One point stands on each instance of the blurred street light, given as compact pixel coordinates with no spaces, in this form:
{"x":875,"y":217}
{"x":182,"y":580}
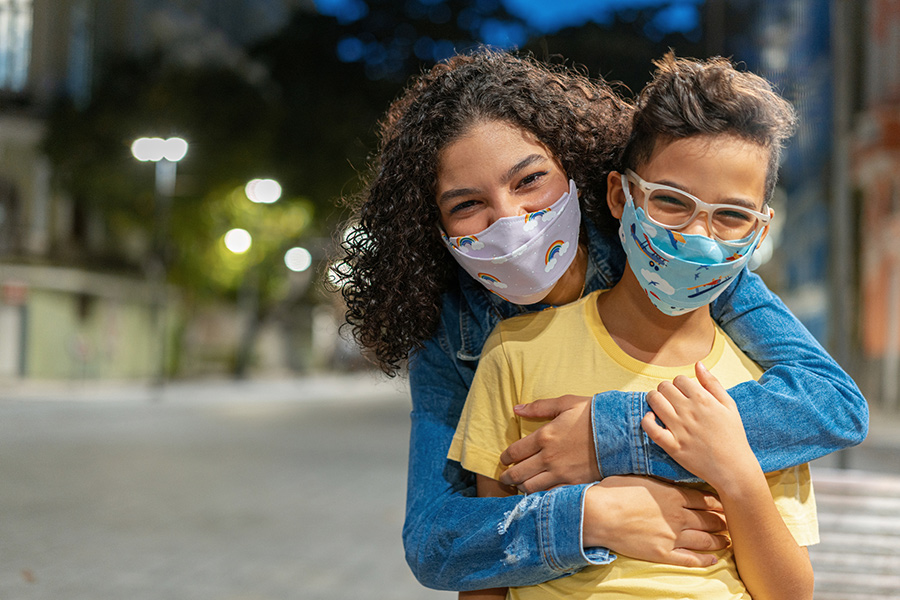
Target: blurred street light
{"x":238,"y":240}
{"x":165,"y":154}
{"x":263,"y":191}
{"x":298,"y":259}
{"x":156,"y":149}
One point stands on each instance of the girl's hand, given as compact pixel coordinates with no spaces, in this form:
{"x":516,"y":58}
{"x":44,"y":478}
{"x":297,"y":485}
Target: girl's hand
{"x":560,"y":452}
{"x":703,"y":430}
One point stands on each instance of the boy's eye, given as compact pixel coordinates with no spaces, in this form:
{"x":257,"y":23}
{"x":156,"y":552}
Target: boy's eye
{"x":671,"y":202}
{"x":732,"y":216}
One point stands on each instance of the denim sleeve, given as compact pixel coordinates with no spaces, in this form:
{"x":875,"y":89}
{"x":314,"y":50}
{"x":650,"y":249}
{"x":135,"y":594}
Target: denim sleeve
{"x":803,"y":407}
{"x":457,"y":541}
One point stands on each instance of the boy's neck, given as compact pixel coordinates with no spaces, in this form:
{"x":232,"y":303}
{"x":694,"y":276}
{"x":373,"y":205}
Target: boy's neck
{"x":643,"y":332}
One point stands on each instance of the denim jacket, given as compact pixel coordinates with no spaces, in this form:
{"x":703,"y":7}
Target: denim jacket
{"x":803,"y":407}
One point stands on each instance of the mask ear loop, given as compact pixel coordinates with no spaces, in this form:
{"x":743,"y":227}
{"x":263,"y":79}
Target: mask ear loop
{"x":626,"y":189}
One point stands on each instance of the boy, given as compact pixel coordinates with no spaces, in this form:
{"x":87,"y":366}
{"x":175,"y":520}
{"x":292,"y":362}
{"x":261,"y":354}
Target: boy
{"x":700,"y":168}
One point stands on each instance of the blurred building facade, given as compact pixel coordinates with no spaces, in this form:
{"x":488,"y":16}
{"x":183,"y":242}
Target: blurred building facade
{"x":59,"y":318}
{"x":875,"y":152}
{"x":838,"y":255}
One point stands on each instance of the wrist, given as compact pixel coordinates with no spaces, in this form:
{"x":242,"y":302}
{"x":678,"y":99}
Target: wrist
{"x":742,"y":484}
{"x":597,"y":513}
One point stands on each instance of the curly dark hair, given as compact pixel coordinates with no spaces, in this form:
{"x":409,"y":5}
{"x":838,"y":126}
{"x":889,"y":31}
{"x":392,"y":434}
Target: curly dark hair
{"x":394,"y":267}
{"x":689,"y":97}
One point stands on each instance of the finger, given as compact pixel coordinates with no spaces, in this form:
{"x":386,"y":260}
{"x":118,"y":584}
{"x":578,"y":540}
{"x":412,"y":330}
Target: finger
{"x":686,"y":386}
{"x":685,"y":558}
{"x":672,"y":392}
{"x":539,"y":483}
{"x":523,"y":471}
{"x":712,"y":385}
{"x":662,"y":406}
{"x":545,"y":408}
{"x":521,"y":450}
{"x":698,"y":500}
{"x":704,"y":520}
{"x":659,"y":434}
{"x":701,"y":541}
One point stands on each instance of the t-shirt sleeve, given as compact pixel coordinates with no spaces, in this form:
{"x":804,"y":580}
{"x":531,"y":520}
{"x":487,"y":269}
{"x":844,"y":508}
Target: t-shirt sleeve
{"x":488,"y":424}
{"x":792,"y":490}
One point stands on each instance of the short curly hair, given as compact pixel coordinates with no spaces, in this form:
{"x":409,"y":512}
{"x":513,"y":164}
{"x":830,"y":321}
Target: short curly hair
{"x":394,"y":267}
{"x":689,"y":97}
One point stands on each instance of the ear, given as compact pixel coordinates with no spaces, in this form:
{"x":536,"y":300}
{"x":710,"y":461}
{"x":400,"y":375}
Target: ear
{"x":766,"y":228}
{"x":615,"y":195}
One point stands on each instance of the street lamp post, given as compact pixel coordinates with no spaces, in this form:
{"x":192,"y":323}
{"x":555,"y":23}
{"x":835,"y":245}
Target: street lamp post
{"x":165,"y":153}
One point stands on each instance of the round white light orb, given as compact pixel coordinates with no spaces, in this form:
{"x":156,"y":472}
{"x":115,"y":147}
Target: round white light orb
{"x":238,"y":240}
{"x":145,"y":149}
{"x":263,"y":191}
{"x":174,"y":149}
{"x":298,"y":259}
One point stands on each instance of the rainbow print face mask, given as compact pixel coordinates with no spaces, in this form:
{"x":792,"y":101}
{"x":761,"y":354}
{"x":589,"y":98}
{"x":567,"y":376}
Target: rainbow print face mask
{"x":520,"y":258}
{"x":679,"y":272}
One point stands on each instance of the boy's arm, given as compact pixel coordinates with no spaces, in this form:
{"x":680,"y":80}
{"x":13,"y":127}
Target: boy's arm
{"x":803,"y":407}
{"x":702,"y":429}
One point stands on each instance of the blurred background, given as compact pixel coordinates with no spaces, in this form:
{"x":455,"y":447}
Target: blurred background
{"x":115,"y":265}
{"x":172,"y":184}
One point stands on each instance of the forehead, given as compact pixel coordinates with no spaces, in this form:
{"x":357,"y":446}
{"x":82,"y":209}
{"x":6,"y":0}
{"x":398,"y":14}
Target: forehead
{"x":487,"y":148}
{"x":714,"y":166}
{"x":501,"y":136}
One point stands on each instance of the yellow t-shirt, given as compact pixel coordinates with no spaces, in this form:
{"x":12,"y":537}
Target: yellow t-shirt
{"x":567,"y":350}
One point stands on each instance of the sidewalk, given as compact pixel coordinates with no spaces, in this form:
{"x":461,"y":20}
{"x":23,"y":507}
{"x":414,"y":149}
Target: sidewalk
{"x":346,"y":387}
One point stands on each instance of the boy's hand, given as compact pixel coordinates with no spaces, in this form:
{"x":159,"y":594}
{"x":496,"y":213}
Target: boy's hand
{"x":652,"y":520}
{"x":560,"y":452}
{"x":703,"y":430}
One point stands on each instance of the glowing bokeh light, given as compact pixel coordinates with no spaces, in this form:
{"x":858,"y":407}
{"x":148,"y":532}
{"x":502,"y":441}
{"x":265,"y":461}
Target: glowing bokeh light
{"x":263,"y":191}
{"x":238,"y":240}
{"x":298,"y":259}
{"x":155,"y":149}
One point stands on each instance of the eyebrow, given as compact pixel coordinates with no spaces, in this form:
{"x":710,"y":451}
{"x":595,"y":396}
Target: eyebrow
{"x":742,"y":202}
{"x":523,"y":164}
{"x":526,"y":162}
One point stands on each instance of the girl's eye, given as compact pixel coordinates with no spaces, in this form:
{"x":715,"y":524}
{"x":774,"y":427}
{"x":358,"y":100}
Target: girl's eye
{"x":531,"y":178}
{"x":462,"y":206}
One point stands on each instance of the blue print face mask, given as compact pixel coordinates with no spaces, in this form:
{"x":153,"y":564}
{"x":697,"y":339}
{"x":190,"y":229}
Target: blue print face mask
{"x":679,"y":272}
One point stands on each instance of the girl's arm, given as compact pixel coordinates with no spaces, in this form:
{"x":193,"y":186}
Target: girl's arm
{"x":489,"y":488}
{"x":805,"y":406}
{"x":449,"y":535}
{"x":704,"y":433}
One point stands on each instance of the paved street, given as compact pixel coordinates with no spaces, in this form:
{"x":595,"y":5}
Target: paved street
{"x":247,"y":493}
{"x":264,"y":490}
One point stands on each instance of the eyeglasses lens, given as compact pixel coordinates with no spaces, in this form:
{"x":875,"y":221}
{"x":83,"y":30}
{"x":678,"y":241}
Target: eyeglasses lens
{"x":674,"y":210}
